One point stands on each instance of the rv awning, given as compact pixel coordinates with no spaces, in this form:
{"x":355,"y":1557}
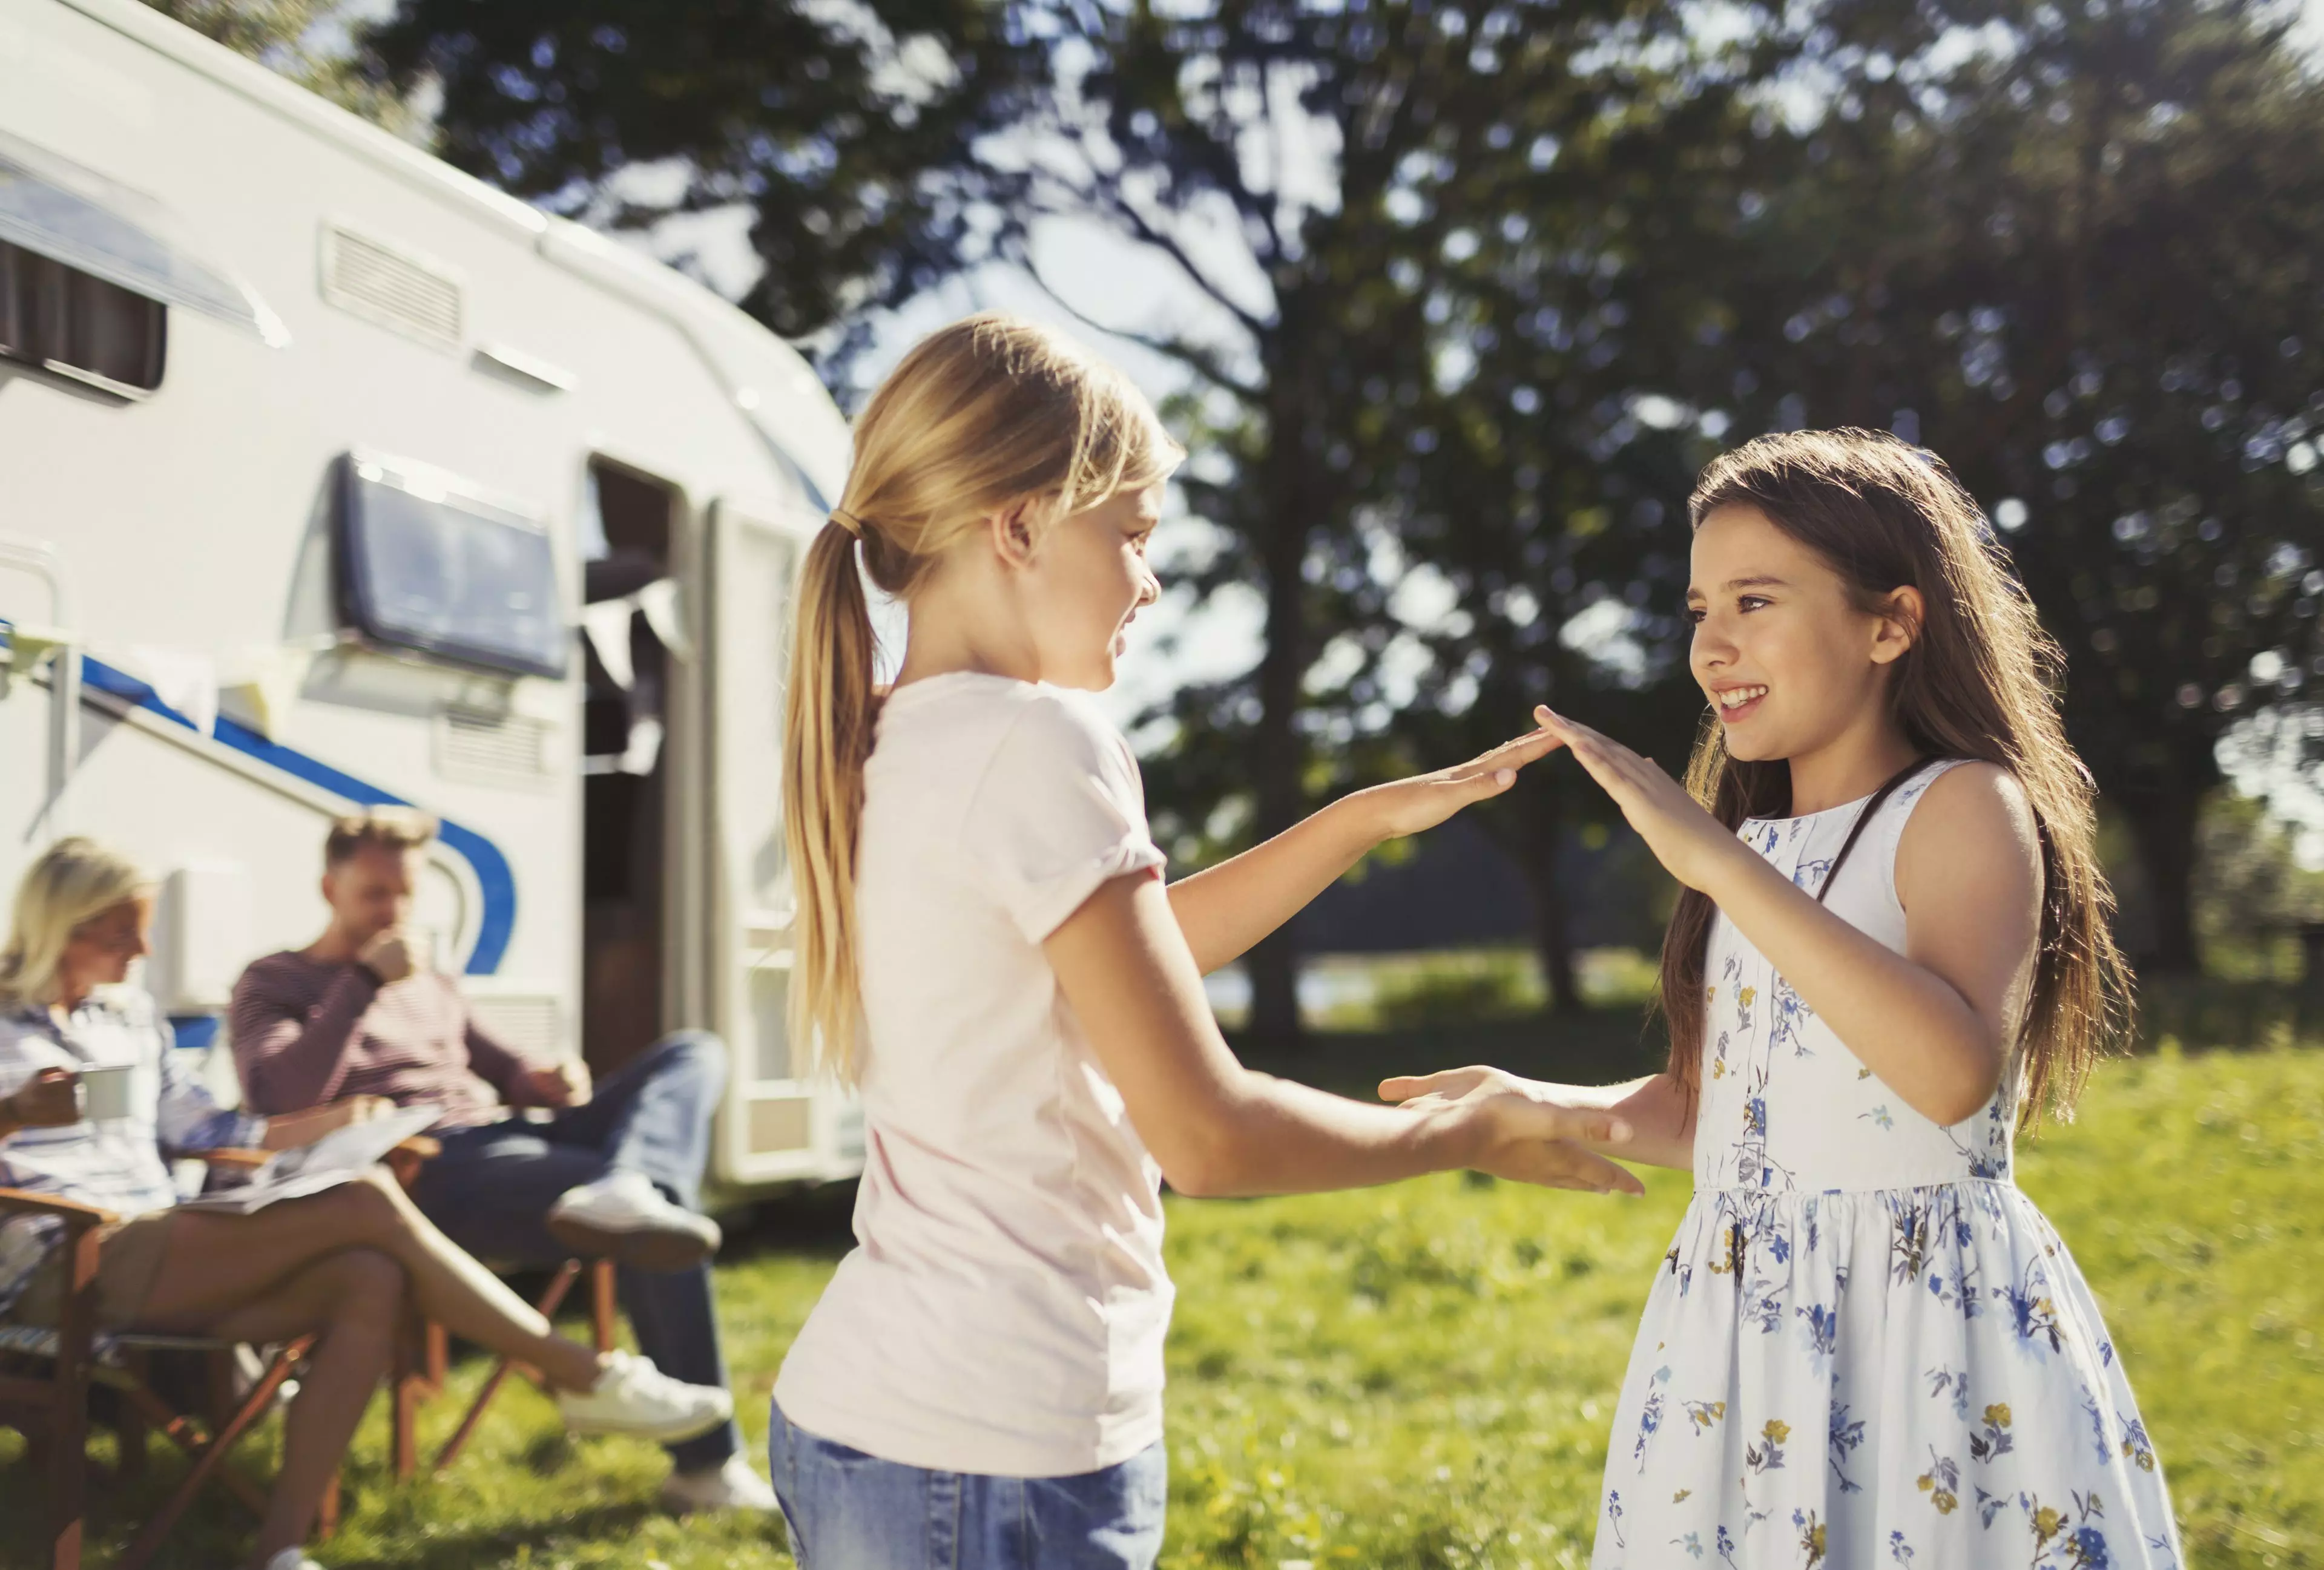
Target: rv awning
{"x":58,"y":209}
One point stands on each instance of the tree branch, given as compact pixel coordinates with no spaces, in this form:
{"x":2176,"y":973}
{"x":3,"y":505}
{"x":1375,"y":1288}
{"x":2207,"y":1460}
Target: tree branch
{"x":1195,"y":358}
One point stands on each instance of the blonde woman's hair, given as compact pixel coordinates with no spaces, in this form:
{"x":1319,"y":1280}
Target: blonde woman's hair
{"x":981,"y":415}
{"x":74,"y":880}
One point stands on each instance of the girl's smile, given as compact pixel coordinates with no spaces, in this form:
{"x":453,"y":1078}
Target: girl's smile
{"x":1737,"y":703}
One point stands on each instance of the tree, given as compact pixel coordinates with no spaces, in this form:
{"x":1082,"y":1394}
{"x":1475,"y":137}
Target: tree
{"x":848,"y":134}
{"x":2081,"y":262}
{"x":1597,"y":274}
{"x":1339,"y":392}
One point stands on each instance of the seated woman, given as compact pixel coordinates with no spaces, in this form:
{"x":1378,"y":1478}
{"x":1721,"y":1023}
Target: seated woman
{"x":337,"y":1264}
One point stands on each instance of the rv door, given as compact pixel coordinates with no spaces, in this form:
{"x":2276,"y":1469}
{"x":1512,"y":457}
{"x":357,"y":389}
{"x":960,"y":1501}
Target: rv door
{"x":776,"y":1126}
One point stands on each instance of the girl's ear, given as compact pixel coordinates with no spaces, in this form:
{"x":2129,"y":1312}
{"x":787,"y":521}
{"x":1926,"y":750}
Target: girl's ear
{"x":1901,"y":619}
{"x":1011,"y":529}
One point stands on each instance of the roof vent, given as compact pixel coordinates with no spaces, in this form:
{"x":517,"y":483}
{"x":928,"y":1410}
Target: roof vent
{"x":491,"y":748}
{"x":391,"y":287}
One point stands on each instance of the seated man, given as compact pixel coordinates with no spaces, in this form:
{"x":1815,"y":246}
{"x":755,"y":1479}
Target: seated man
{"x":359,"y":1012}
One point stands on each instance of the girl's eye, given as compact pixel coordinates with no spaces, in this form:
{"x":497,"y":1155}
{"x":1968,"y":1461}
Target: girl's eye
{"x":1695,"y":613}
{"x":1751,"y":601}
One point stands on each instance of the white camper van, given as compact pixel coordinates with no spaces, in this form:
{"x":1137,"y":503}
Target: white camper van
{"x":330,"y":476}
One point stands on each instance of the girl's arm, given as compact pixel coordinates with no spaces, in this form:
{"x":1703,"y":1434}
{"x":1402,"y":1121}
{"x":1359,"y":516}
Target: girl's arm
{"x":1937,"y":1022}
{"x":1660,"y":1116}
{"x":1228,"y":908}
{"x":1217,"y":1128}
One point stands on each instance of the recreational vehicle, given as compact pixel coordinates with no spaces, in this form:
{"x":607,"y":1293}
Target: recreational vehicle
{"x":335,"y":477}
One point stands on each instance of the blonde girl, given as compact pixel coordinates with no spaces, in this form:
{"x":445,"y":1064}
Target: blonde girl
{"x":986,"y":946}
{"x":1866,"y":1345}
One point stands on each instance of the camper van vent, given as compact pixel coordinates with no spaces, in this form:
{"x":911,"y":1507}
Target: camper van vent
{"x":491,"y":748}
{"x":392,"y":287}
{"x":531,"y":1026}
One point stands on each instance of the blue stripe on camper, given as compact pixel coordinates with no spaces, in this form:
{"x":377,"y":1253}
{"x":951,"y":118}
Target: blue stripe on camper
{"x":195,"y":1031}
{"x":495,"y":877}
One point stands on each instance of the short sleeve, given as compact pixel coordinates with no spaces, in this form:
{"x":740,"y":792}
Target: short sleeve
{"x":1059,"y":811}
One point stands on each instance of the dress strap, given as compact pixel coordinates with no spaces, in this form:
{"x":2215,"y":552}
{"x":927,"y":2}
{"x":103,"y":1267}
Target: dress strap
{"x":1863,"y":819}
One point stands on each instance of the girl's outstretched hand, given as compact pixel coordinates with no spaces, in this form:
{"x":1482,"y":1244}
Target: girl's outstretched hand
{"x":1526,"y":1135}
{"x":1407,"y":806}
{"x":1687,"y":841}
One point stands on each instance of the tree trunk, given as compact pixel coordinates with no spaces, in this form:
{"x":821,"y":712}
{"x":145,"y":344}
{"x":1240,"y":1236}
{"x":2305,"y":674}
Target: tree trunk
{"x":1276,"y":753}
{"x":2164,"y":825}
{"x":1537,"y":845}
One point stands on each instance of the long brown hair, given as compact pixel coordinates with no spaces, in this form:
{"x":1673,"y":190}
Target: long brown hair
{"x":981,"y":415}
{"x":1980,"y":681}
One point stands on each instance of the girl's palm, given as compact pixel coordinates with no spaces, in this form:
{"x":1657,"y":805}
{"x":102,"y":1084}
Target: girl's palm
{"x":1426,"y":800}
{"x":1687,"y":841}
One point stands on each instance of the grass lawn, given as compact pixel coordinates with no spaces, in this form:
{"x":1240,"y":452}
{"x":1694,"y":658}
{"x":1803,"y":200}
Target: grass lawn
{"x":1423,"y":1376}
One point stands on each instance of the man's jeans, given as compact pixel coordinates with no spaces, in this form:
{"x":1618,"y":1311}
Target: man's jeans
{"x":490,"y":1190}
{"x":847,"y":1510}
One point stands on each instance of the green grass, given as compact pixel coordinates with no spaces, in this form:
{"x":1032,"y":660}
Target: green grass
{"x":1423,"y":1376}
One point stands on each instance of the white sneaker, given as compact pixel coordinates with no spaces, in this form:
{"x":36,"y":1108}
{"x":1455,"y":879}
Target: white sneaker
{"x":293,"y":1559}
{"x":623,"y":1216}
{"x":631,"y":1396}
{"x":733,"y":1486}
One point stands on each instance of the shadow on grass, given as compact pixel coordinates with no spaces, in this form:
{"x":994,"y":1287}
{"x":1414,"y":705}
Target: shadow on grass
{"x":215,"y":1534}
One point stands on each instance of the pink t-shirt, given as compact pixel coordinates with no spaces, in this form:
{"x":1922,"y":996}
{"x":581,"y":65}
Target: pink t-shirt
{"x":1004,"y":1310}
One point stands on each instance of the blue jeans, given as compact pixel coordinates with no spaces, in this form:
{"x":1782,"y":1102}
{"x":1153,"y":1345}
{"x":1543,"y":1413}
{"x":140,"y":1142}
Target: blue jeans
{"x":847,"y":1510}
{"x":490,"y":1190}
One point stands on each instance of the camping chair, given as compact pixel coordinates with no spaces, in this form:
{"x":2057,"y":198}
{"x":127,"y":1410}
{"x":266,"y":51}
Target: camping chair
{"x":78,"y":1356}
{"x":424,"y":1356}
{"x":427,"y":1379}
{"x":55,"y":1408}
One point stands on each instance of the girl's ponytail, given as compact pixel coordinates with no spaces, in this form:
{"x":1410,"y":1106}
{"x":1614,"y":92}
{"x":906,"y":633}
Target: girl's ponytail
{"x":981,"y":415}
{"x":828,"y":720}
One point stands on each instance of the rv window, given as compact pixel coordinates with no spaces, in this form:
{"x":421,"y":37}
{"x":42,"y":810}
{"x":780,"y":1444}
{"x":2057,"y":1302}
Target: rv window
{"x":61,"y":320}
{"x":55,"y":208}
{"x":427,"y":565}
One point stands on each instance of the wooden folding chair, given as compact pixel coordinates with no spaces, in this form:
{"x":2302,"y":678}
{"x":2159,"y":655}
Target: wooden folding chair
{"x":436,"y":1358}
{"x":54,"y":1409}
{"x":424,"y":1354}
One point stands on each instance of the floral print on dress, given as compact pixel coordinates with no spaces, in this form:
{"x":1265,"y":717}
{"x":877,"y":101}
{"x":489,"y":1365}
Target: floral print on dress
{"x":1866,"y":1347}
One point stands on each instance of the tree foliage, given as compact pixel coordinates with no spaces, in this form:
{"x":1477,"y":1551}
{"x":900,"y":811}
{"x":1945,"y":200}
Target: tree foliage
{"x":849,"y":134}
{"x":1481,"y":282}
{"x":2081,"y":261}
{"x":307,"y":41}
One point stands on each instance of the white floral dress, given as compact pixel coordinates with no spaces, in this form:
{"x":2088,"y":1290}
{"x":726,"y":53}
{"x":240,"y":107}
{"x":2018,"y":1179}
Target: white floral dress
{"x":1866,"y":1347}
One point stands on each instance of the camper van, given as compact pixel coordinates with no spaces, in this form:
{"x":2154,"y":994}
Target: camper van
{"x":335,"y":477}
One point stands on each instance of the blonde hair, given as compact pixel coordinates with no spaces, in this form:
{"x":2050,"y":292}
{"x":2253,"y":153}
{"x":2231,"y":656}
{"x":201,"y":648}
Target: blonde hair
{"x":74,"y":880}
{"x":981,"y":415}
{"x":388,"y":827}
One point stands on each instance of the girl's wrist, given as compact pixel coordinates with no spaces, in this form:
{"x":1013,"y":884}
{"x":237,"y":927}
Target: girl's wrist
{"x":1730,"y":865}
{"x":1365,"y":817}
